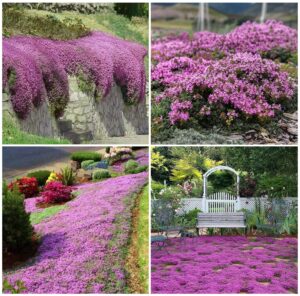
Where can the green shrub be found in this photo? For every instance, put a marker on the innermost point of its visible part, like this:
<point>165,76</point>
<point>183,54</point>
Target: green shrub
<point>131,164</point>
<point>67,176</point>
<point>137,170</point>
<point>190,218</point>
<point>221,180</point>
<point>156,187</point>
<point>132,9</point>
<point>41,176</point>
<point>101,174</point>
<point>17,230</point>
<point>85,155</point>
<point>16,287</point>
<point>86,163</point>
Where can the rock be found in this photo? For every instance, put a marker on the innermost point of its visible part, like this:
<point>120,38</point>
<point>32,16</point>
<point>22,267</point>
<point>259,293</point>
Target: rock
<point>75,165</point>
<point>64,125</point>
<point>292,116</point>
<point>83,176</point>
<point>293,131</point>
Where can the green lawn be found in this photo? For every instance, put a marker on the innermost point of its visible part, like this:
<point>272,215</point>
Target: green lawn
<point>38,217</point>
<point>13,135</point>
<point>143,237</point>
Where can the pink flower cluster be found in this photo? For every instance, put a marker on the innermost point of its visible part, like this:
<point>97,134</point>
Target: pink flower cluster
<point>223,265</point>
<point>207,77</point>
<point>249,37</point>
<point>179,111</point>
<point>35,69</point>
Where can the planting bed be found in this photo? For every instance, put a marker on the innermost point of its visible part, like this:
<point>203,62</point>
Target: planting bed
<point>225,84</point>
<point>83,246</point>
<point>231,264</point>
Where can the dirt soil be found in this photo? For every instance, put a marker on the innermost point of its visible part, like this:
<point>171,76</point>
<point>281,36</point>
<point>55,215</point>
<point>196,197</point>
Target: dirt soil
<point>132,265</point>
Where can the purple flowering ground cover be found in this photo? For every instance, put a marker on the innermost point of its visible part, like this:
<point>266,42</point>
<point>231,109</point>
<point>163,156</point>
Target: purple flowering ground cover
<point>210,76</point>
<point>82,247</point>
<point>229,264</point>
<point>36,69</point>
<point>141,156</point>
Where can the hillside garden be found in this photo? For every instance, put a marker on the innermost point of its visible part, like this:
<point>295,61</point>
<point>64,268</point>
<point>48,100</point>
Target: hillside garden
<point>80,230</point>
<point>43,45</point>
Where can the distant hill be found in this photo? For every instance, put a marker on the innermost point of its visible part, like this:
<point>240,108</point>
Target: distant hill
<point>272,8</point>
<point>231,8</point>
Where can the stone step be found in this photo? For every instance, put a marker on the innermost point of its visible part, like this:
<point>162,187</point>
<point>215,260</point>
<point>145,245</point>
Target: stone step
<point>78,137</point>
<point>64,125</point>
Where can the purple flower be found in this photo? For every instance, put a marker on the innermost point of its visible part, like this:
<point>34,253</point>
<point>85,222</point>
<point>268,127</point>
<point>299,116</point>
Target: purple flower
<point>41,68</point>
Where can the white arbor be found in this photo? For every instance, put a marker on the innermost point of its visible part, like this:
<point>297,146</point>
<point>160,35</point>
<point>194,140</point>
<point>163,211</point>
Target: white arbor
<point>220,202</point>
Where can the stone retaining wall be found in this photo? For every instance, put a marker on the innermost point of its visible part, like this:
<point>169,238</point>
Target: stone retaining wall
<point>108,117</point>
<point>39,121</point>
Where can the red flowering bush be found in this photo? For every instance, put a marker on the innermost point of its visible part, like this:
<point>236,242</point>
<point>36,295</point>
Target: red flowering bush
<point>55,192</point>
<point>26,185</point>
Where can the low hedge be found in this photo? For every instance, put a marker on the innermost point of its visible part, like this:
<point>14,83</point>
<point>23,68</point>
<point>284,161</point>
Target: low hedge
<point>41,176</point>
<point>137,170</point>
<point>103,164</point>
<point>131,164</point>
<point>101,174</point>
<point>86,163</point>
<point>81,156</point>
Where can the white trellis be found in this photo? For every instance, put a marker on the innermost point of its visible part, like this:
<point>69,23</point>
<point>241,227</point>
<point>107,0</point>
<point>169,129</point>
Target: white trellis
<point>220,202</point>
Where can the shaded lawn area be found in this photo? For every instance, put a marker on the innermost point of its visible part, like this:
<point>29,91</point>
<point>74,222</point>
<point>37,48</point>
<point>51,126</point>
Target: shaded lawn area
<point>232,264</point>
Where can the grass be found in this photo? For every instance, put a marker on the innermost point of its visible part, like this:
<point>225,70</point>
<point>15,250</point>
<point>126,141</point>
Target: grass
<point>143,237</point>
<point>118,25</point>
<point>13,135</point>
<point>37,217</point>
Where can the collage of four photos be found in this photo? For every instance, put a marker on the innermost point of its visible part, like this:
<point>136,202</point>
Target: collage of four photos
<point>150,148</point>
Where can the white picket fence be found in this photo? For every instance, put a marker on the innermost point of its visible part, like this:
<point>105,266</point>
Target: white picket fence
<point>223,202</point>
<point>247,203</point>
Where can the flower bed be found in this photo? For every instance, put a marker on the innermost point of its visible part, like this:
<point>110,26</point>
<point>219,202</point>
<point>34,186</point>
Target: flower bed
<point>81,249</point>
<point>212,79</point>
<point>35,69</point>
<point>213,264</point>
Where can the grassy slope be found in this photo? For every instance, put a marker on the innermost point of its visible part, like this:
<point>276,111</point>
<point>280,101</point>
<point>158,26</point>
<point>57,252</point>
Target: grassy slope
<point>107,22</point>
<point>143,239</point>
<point>13,135</point>
<point>38,217</point>
<point>137,254</point>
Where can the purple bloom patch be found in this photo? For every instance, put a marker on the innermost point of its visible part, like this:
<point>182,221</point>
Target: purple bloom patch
<point>229,264</point>
<point>41,68</point>
<point>80,247</point>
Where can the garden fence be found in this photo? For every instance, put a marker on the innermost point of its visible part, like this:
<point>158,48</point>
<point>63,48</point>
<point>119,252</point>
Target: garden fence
<point>247,203</point>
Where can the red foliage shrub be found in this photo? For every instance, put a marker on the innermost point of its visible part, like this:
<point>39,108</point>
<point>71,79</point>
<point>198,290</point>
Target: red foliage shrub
<point>27,186</point>
<point>55,192</point>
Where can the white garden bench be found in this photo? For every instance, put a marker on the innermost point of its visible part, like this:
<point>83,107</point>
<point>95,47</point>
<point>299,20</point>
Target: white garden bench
<point>221,220</point>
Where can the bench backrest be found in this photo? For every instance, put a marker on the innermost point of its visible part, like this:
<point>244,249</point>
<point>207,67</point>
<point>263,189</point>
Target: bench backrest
<point>221,220</point>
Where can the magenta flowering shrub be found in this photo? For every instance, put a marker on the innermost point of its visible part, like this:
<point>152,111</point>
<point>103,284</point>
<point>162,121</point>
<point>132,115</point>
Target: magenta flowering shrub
<point>36,68</point>
<point>55,192</point>
<point>80,249</point>
<point>212,77</point>
<point>259,38</point>
<point>220,265</point>
<point>249,37</point>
